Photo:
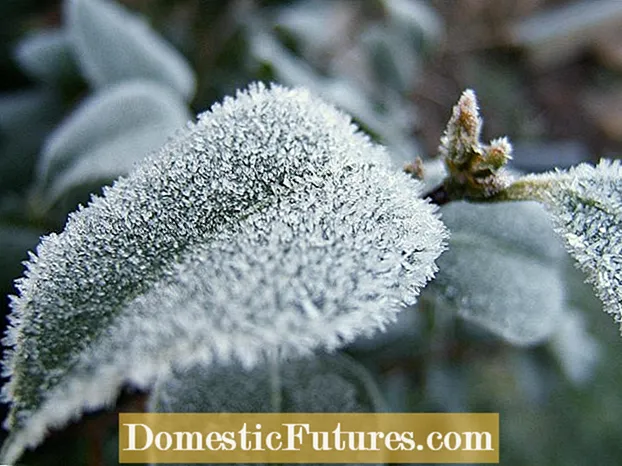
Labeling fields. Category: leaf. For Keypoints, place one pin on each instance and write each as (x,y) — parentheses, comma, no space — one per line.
(503,270)
(322,384)
(46,56)
(416,17)
(586,205)
(271,224)
(107,134)
(575,348)
(113,45)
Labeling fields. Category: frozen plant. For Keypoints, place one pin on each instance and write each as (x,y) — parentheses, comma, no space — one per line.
(272,225)
(270,230)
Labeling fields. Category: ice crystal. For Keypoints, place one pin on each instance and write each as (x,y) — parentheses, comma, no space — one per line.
(271,224)
(586,203)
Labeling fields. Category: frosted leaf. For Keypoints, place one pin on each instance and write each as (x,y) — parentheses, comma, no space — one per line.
(324,384)
(112,45)
(321,384)
(107,135)
(586,204)
(270,224)
(46,56)
(503,270)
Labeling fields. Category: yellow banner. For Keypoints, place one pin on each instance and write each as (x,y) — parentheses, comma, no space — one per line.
(309,438)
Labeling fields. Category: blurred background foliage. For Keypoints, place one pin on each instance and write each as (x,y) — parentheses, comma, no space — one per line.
(548,74)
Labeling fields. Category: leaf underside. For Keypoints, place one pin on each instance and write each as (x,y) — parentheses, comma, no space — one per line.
(323,384)
(503,270)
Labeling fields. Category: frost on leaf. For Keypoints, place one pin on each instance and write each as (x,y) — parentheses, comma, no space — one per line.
(503,271)
(586,204)
(271,224)
(323,384)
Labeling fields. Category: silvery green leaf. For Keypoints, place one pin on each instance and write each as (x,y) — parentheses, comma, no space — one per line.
(586,205)
(321,384)
(319,26)
(271,224)
(46,56)
(415,15)
(575,348)
(107,134)
(503,270)
(112,44)
(393,57)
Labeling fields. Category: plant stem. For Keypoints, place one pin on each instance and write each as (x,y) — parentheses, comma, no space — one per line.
(529,188)
(439,195)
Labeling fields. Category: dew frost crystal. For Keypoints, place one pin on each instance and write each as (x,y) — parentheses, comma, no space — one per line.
(272,224)
(586,205)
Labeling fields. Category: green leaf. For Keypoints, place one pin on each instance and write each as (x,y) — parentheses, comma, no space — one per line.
(272,224)
(46,56)
(104,137)
(112,45)
(322,384)
(575,348)
(415,17)
(586,205)
(503,270)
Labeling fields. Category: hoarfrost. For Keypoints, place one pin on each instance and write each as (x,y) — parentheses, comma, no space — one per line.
(272,224)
